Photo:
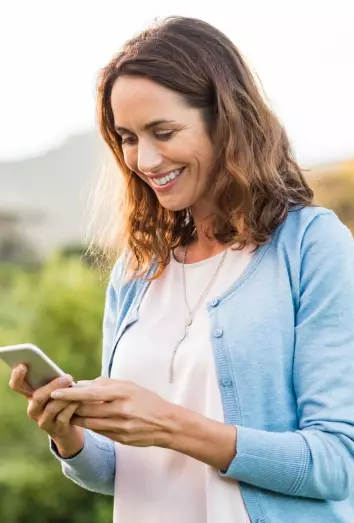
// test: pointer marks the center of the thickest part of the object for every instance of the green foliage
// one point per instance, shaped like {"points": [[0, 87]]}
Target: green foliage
{"points": [[59, 308]]}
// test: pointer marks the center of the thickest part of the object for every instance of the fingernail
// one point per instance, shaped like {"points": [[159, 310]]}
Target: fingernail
{"points": [[65, 380], [56, 394], [22, 368]]}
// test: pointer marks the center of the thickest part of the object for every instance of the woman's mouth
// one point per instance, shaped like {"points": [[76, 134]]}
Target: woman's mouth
{"points": [[166, 181]]}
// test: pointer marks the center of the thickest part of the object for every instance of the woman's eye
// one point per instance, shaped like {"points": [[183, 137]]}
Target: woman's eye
{"points": [[132, 140], [127, 140], [164, 135]]}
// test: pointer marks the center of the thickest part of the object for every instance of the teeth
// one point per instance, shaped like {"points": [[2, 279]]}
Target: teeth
{"points": [[163, 180]]}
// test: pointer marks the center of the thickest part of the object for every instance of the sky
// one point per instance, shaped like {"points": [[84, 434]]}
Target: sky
{"points": [[51, 52]]}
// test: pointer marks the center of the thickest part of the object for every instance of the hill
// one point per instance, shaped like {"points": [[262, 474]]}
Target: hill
{"points": [[45, 192], [45, 196]]}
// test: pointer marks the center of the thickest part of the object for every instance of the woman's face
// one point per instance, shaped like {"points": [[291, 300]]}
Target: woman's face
{"points": [[164, 141]]}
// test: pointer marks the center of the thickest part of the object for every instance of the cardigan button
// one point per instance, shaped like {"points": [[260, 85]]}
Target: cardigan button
{"points": [[260, 520], [226, 382], [214, 302], [218, 333]]}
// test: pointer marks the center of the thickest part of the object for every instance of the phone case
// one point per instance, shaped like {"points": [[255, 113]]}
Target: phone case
{"points": [[41, 369]]}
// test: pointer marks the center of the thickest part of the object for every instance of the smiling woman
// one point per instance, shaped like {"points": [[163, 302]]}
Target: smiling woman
{"points": [[228, 336], [165, 104]]}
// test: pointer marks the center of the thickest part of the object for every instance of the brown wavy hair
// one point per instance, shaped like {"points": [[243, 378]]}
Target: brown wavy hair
{"points": [[254, 181]]}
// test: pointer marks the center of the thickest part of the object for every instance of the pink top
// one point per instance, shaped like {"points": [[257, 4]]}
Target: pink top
{"points": [[159, 485]]}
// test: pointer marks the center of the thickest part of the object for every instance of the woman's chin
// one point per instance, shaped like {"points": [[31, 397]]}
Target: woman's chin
{"points": [[173, 204]]}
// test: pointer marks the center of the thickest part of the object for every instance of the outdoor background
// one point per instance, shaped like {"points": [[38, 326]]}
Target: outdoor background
{"points": [[50, 294]]}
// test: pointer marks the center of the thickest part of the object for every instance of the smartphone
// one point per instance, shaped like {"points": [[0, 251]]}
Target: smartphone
{"points": [[41, 369]]}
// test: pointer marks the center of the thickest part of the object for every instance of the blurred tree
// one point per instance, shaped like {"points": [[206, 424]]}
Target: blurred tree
{"points": [[92, 256], [60, 309], [14, 246]]}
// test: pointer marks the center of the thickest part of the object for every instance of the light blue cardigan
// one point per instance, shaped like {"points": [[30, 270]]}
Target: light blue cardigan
{"points": [[283, 339]]}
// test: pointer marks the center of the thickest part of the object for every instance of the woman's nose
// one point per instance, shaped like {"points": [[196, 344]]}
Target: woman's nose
{"points": [[149, 158]]}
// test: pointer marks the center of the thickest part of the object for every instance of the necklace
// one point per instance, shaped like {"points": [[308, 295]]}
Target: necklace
{"points": [[190, 313]]}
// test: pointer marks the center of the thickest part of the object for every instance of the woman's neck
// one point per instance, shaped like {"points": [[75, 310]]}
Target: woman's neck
{"points": [[203, 245], [204, 248]]}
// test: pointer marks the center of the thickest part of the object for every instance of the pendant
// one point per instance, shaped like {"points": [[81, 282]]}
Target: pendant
{"points": [[172, 362], [189, 321]]}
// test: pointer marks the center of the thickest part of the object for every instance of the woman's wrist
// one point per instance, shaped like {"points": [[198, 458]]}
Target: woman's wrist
{"points": [[69, 446], [202, 438]]}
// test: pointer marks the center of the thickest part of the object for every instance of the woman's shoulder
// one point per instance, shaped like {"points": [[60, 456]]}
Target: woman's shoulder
{"points": [[314, 223], [314, 235]]}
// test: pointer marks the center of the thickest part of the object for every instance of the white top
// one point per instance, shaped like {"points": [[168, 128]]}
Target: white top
{"points": [[159, 485]]}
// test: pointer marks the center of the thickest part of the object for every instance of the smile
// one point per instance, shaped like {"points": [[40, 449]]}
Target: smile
{"points": [[160, 181]]}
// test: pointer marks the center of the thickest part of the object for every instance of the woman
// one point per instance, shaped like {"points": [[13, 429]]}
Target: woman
{"points": [[228, 359]]}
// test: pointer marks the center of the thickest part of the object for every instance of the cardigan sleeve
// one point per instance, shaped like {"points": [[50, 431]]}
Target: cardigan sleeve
{"points": [[316, 461], [93, 468]]}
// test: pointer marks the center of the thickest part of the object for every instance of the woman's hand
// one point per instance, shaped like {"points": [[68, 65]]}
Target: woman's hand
{"points": [[131, 415], [122, 411], [52, 416]]}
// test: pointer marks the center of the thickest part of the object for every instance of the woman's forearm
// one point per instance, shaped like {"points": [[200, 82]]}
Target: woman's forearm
{"points": [[201, 438]]}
